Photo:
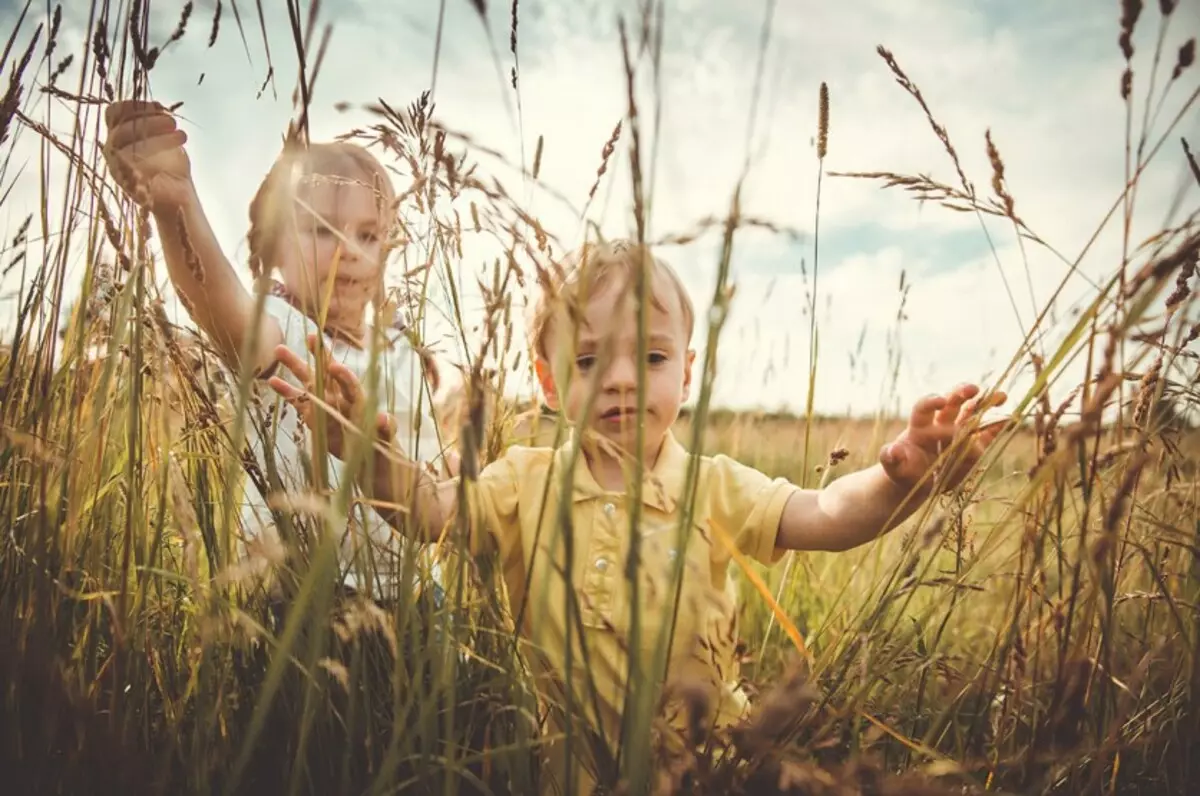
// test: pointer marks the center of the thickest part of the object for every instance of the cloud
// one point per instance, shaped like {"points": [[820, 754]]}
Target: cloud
{"points": [[1042, 78]]}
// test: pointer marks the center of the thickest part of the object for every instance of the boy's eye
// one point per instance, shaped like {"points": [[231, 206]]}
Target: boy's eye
{"points": [[585, 362], [369, 237], [657, 358]]}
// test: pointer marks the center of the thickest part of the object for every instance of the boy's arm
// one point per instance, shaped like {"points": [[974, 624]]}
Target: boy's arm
{"points": [[851, 511], [859, 507], [409, 497]]}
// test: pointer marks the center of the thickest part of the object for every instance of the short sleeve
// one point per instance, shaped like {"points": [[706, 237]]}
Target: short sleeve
{"points": [[748, 504], [493, 500]]}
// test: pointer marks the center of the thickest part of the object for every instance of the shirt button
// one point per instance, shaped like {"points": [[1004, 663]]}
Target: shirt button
{"points": [[609, 509], [601, 564], [672, 556]]}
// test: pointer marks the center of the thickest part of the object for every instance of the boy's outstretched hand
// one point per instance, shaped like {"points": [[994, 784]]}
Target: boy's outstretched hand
{"points": [[942, 431], [343, 393]]}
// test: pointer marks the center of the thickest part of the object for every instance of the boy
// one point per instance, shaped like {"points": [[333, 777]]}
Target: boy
{"points": [[584, 336]]}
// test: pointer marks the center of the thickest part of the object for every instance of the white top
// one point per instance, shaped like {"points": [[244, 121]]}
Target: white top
{"points": [[401, 391]]}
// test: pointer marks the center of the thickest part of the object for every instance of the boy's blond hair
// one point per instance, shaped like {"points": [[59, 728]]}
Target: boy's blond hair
{"points": [[562, 293]]}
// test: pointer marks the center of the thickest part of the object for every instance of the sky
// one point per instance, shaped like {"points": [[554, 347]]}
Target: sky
{"points": [[1042, 77]]}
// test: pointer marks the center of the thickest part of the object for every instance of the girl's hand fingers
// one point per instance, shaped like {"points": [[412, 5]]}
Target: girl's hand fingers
{"points": [[970, 411], [143, 128], [121, 110], [319, 352], [288, 358], [349, 387], [142, 154], [349, 384], [286, 390], [296, 397]]}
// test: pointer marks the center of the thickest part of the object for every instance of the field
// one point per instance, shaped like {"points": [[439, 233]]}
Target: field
{"points": [[1036, 631]]}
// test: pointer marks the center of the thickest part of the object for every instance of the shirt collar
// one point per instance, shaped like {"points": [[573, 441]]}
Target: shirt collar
{"points": [[399, 323], [662, 486]]}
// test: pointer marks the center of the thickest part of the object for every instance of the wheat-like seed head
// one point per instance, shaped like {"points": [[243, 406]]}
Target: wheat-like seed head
{"points": [[823, 122]]}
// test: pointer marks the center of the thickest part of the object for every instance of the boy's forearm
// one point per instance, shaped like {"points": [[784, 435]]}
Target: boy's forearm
{"points": [[860, 507], [402, 489]]}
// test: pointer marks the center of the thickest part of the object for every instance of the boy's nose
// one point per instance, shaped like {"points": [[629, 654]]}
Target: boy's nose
{"points": [[621, 374]]}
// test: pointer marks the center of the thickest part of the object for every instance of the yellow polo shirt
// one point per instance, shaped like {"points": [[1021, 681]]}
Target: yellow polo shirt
{"points": [[514, 508]]}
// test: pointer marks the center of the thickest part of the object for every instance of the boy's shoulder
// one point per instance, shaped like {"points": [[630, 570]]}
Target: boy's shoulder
{"points": [[522, 459], [677, 457]]}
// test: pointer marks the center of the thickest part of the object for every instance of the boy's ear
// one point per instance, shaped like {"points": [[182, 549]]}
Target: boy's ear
{"points": [[546, 381], [688, 361]]}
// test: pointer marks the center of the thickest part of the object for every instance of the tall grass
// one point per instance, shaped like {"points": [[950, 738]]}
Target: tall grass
{"points": [[1035, 632]]}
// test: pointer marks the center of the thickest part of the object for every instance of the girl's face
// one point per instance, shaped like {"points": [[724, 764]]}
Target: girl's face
{"points": [[335, 248]]}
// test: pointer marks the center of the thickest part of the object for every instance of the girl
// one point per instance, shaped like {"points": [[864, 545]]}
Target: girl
{"points": [[321, 227]]}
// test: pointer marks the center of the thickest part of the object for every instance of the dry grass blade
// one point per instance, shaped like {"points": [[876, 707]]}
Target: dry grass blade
{"points": [[1191, 160]]}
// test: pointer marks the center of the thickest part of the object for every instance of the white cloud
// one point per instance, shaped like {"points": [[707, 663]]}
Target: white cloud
{"points": [[1043, 79]]}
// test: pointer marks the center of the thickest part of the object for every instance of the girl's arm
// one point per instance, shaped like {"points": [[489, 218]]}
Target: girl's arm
{"points": [[146, 156], [216, 298]]}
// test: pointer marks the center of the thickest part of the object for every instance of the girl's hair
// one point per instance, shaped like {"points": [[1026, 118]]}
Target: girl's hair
{"points": [[338, 159]]}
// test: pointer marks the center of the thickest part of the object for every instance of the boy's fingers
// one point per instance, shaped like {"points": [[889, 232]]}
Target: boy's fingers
{"points": [[925, 410], [987, 433], [963, 393], [980, 404], [385, 425], [891, 456]]}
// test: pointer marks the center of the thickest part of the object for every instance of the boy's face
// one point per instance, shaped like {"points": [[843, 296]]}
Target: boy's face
{"points": [[335, 221], [609, 331]]}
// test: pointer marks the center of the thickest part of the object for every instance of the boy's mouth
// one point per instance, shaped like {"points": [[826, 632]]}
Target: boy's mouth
{"points": [[618, 413]]}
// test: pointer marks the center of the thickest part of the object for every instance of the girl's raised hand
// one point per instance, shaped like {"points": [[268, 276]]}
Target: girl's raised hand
{"points": [[343, 395], [145, 154]]}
